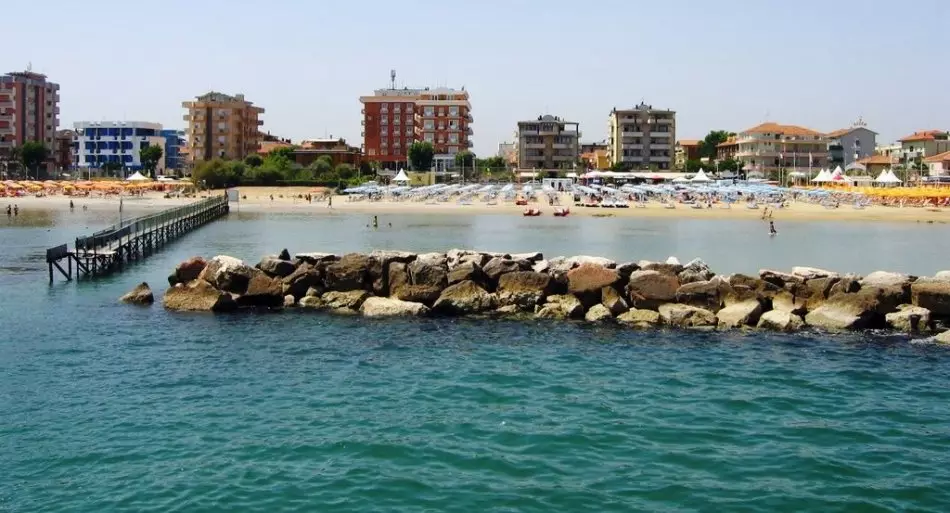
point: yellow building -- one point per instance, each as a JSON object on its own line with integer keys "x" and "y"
{"x": 222, "y": 126}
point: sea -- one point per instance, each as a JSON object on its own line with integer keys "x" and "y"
{"x": 106, "y": 407}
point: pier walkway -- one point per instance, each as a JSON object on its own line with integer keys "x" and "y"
{"x": 108, "y": 250}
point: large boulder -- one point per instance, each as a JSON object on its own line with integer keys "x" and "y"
{"x": 707, "y": 294}
{"x": 228, "y": 274}
{"x": 352, "y": 299}
{"x": 910, "y": 319}
{"x": 942, "y": 338}
{"x": 886, "y": 279}
{"x": 351, "y": 272}
{"x": 312, "y": 302}
{"x": 587, "y": 280}
{"x": 598, "y": 313}
{"x": 284, "y": 254}
{"x": 304, "y": 278}
{"x": 187, "y": 271}
{"x": 740, "y": 314}
{"x": 198, "y": 296}
{"x": 695, "y": 271}
{"x": 379, "y": 263}
{"x": 561, "y": 306}
{"x": 779, "y": 278}
{"x": 777, "y": 320}
{"x": 579, "y": 260}
{"x": 276, "y": 267}
{"x": 498, "y": 266}
{"x": 315, "y": 258}
{"x": 785, "y": 301}
{"x": 429, "y": 270}
{"x": 848, "y": 283}
{"x": 425, "y": 294}
{"x": 398, "y": 276}
{"x": 466, "y": 271}
{"x": 858, "y": 310}
{"x": 524, "y": 289}
{"x": 670, "y": 268}
{"x": 262, "y": 290}
{"x": 464, "y": 298}
{"x": 456, "y": 257}
{"x": 932, "y": 295}
{"x": 140, "y": 295}
{"x": 530, "y": 257}
{"x": 685, "y": 316}
{"x": 639, "y": 318}
{"x": 811, "y": 273}
{"x": 613, "y": 301}
{"x": 648, "y": 288}
{"x": 389, "y": 307}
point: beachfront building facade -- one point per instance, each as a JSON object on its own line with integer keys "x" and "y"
{"x": 29, "y": 110}
{"x": 336, "y": 149}
{"x": 222, "y": 126}
{"x": 642, "y": 137}
{"x": 849, "y": 145}
{"x": 686, "y": 150}
{"x": 727, "y": 149}
{"x": 117, "y": 143}
{"x": 548, "y": 142}
{"x": 63, "y": 150}
{"x": 939, "y": 164}
{"x": 922, "y": 144}
{"x": 172, "y": 155}
{"x": 393, "y": 119}
{"x": 772, "y": 147}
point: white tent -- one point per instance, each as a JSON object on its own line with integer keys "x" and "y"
{"x": 823, "y": 176}
{"x": 401, "y": 177}
{"x": 887, "y": 176}
{"x": 137, "y": 177}
{"x": 700, "y": 177}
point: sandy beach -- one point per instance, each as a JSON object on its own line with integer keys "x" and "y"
{"x": 285, "y": 199}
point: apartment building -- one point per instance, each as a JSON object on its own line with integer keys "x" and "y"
{"x": 642, "y": 137}
{"x": 771, "y": 146}
{"x": 686, "y": 150}
{"x": 727, "y": 149}
{"x": 922, "y": 144}
{"x": 97, "y": 143}
{"x": 548, "y": 142}
{"x": 29, "y": 110}
{"x": 63, "y": 149}
{"x": 851, "y": 144}
{"x": 222, "y": 126}
{"x": 174, "y": 142}
{"x": 393, "y": 119}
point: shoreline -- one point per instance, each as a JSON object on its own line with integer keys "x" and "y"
{"x": 258, "y": 200}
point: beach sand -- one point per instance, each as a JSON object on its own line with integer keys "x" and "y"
{"x": 258, "y": 199}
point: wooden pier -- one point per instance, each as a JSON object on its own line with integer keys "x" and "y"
{"x": 108, "y": 250}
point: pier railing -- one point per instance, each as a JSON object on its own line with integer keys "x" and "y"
{"x": 115, "y": 233}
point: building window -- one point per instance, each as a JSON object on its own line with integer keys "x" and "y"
{"x": 453, "y": 111}
{"x": 453, "y": 138}
{"x": 429, "y": 111}
{"x": 429, "y": 137}
{"x": 428, "y": 124}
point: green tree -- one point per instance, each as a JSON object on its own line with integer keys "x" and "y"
{"x": 729, "y": 165}
{"x": 285, "y": 151}
{"x": 150, "y": 156}
{"x": 707, "y": 148}
{"x": 465, "y": 158}
{"x": 32, "y": 155}
{"x": 366, "y": 169}
{"x": 111, "y": 168}
{"x": 253, "y": 160}
{"x": 322, "y": 168}
{"x": 345, "y": 171}
{"x": 420, "y": 155}
{"x": 217, "y": 173}
{"x": 621, "y": 167}
{"x": 693, "y": 166}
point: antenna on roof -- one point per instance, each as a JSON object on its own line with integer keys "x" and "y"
{"x": 392, "y": 79}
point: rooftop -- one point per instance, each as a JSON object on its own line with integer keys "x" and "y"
{"x": 775, "y": 128}
{"x": 731, "y": 141}
{"x": 924, "y": 135}
{"x": 689, "y": 142}
{"x": 940, "y": 157}
{"x": 877, "y": 160}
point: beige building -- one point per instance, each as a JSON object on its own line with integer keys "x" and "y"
{"x": 222, "y": 126}
{"x": 642, "y": 137}
{"x": 770, "y": 147}
{"x": 548, "y": 142}
{"x": 923, "y": 144}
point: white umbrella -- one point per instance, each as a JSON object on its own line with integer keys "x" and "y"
{"x": 401, "y": 177}
{"x": 700, "y": 177}
{"x": 137, "y": 177}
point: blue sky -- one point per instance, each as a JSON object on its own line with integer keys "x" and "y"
{"x": 728, "y": 64}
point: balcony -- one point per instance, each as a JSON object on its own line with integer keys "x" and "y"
{"x": 659, "y": 146}
{"x": 534, "y": 146}
{"x": 664, "y": 121}
{"x": 631, "y": 134}
{"x": 632, "y": 146}
{"x": 659, "y": 159}
{"x": 665, "y": 135}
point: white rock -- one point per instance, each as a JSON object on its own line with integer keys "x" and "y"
{"x": 391, "y": 307}
{"x": 673, "y": 261}
{"x": 811, "y": 273}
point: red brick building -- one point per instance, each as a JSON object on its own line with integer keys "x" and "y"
{"x": 337, "y": 149}
{"x": 29, "y": 110}
{"x": 393, "y": 119}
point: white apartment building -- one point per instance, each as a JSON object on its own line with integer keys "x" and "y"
{"x": 99, "y": 142}
{"x": 770, "y": 147}
{"x": 642, "y": 137}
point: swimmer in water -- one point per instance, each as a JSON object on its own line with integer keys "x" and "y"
{"x": 375, "y": 222}
{"x": 772, "y": 228}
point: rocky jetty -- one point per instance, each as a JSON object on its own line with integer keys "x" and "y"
{"x": 598, "y": 290}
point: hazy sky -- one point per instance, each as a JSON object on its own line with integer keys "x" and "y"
{"x": 728, "y": 64}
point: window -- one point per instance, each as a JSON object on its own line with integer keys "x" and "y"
{"x": 428, "y": 124}
{"x": 221, "y": 139}
{"x": 384, "y": 121}
{"x": 429, "y": 137}
{"x": 384, "y": 131}
{"x": 222, "y": 125}
{"x": 429, "y": 111}
{"x": 441, "y": 125}
{"x": 441, "y": 111}
{"x": 453, "y": 138}
{"x": 372, "y": 151}
{"x": 408, "y": 132}
{"x": 453, "y": 111}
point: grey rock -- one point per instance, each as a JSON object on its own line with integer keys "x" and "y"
{"x": 639, "y": 318}
{"x": 140, "y": 295}
{"x": 198, "y": 296}
{"x": 685, "y": 316}
{"x": 910, "y": 319}
{"x": 351, "y": 299}
{"x": 315, "y": 258}
{"x": 598, "y": 313}
{"x": 776, "y": 320}
{"x": 276, "y": 267}
{"x": 389, "y": 307}
{"x": 464, "y": 298}
{"x": 613, "y": 301}
{"x": 739, "y": 315}
{"x": 228, "y": 274}
{"x": 811, "y": 273}
{"x": 312, "y": 302}
{"x": 932, "y": 295}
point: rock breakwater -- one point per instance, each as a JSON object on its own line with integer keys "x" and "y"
{"x": 586, "y": 288}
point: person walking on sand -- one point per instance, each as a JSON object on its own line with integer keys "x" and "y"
{"x": 16, "y": 210}
{"x": 71, "y": 206}
{"x": 329, "y": 201}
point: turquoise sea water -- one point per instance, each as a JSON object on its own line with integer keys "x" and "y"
{"x": 106, "y": 407}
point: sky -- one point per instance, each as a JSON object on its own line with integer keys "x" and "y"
{"x": 730, "y": 64}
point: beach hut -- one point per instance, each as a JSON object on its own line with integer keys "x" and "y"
{"x": 701, "y": 177}
{"x": 137, "y": 177}
{"x": 401, "y": 177}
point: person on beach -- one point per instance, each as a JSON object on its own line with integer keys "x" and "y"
{"x": 375, "y": 222}
{"x": 71, "y": 206}
{"x": 329, "y": 201}
{"x": 772, "y": 230}
{"x": 16, "y": 210}
{"x": 9, "y": 210}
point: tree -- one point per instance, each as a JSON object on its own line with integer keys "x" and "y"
{"x": 111, "y": 168}
{"x": 32, "y": 154}
{"x": 366, "y": 169}
{"x": 621, "y": 167}
{"x": 345, "y": 171}
{"x": 729, "y": 165}
{"x": 150, "y": 156}
{"x": 218, "y": 173}
{"x": 707, "y": 148}
{"x": 253, "y": 160}
{"x": 465, "y": 159}
{"x": 693, "y": 166}
{"x": 420, "y": 155}
{"x": 284, "y": 151}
